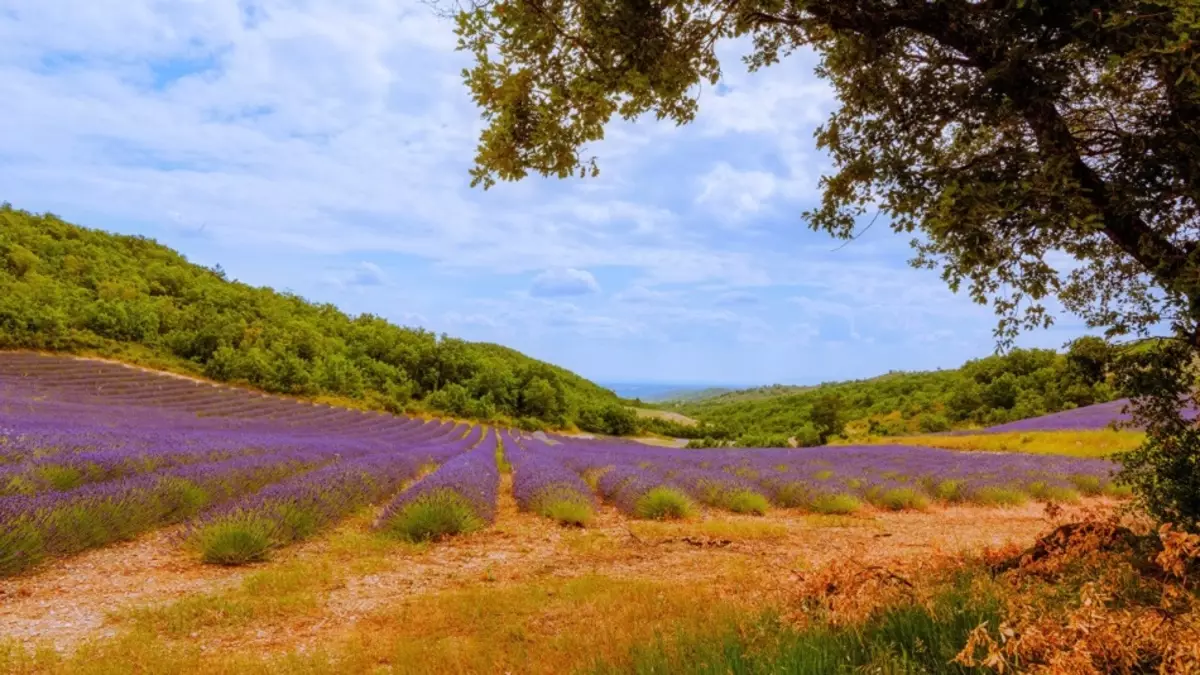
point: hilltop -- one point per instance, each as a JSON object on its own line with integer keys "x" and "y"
{"x": 68, "y": 288}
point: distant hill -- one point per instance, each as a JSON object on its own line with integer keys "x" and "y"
{"x": 990, "y": 391}
{"x": 68, "y": 288}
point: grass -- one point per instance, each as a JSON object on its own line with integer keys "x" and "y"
{"x": 1083, "y": 443}
{"x": 664, "y": 503}
{"x": 731, "y": 529}
{"x": 433, "y": 517}
{"x": 909, "y": 638}
{"x": 548, "y": 626}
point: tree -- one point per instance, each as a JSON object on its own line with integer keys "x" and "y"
{"x": 1006, "y": 132}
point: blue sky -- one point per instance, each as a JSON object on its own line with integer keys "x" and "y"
{"x": 323, "y": 147}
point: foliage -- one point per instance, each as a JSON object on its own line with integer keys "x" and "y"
{"x": 1094, "y": 597}
{"x": 1164, "y": 471}
{"x": 67, "y": 288}
{"x": 993, "y": 390}
{"x": 903, "y": 638}
{"x": 1034, "y": 148}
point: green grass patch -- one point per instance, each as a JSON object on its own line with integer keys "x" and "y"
{"x": 433, "y": 517}
{"x": 664, "y": 503}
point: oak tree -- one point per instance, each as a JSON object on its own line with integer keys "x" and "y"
{"x": 1035, "y": 148}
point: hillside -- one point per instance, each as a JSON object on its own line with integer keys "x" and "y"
{"x": 990, "y": 391}
{"x": 67, "y": 288}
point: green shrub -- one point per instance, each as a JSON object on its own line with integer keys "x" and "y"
{"x": 948, "y": 490}
{"x": 664, "y": 503}
{"x": 21, "y": 547}
{"x": 746, "y": 501}
{"x": 899, "y": 499}
{"x": 791, "y": 495}
{"x": 1052, "y": 493}
{"x": 234, "y": 541}
{"x": 839, "y": 503}
{"x": 998, "y": 496}
{"x": 433, "y": 517}
{"x": 1088, "y": 485}
{"x": 1117, "y": 490}
{"x": 567, "y": 511}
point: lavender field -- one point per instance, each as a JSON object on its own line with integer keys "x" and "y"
{"x": 93, "y": 453}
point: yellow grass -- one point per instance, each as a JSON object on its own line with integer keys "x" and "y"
{"x": 731, "y": 529}
{"x": 550, "y": 626}
{"x": 1090, "y": 443}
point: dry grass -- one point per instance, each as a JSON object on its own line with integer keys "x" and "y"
{"x": 1090, "y": 443}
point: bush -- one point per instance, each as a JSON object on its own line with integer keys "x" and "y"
{"x": 433, "y": 517}
{"x": 898, "y": 499}
{"x": 567, "y": 511}
{"x": 934, "y": 423}
{"x": 746, "y": 501}
{"x": 234, "y": 542}
{"x": 999, "y": 496}
{"x": 834, "y": 504}
{"x": 664, "y": 503}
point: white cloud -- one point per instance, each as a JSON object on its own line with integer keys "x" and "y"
{"x": 736, "y": 299}
{"x": 364, "y": 274}
{"x": 733, "y": 194}
{"x": 564, "y": 281}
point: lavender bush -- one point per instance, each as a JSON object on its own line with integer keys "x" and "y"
{"x": 459, "y": 497}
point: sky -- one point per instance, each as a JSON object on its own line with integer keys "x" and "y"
{"x": 322, "y": 147}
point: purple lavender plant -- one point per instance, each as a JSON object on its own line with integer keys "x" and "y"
{"x": 459, "y": 497}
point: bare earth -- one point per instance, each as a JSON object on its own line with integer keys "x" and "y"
{"x": 82, "y": 598}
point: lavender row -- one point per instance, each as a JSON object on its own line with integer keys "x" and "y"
{"x": 248, "y": 529}
{"x": 544, "y": 485}
{"x": 460, "y": 496}
{"x": 889, "y": 476}
{"x": 60, "y": 524}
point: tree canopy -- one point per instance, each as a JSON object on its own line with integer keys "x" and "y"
{"x": 1036, "y": 148}
{"x": 69, "y": 288}
{"x": 993, "y": 390}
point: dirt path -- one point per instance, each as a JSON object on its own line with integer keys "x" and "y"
{"x": 72, "y": 600}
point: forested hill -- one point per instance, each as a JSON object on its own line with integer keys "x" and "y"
{"x": 68, "y": 288}
{"x": 994, "y": 390}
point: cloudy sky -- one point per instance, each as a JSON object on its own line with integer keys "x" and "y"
{"x": 322, "y": 146}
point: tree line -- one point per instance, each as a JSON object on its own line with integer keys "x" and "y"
{"x": 1019, "y": 384}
